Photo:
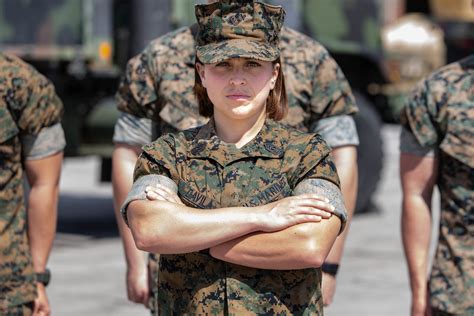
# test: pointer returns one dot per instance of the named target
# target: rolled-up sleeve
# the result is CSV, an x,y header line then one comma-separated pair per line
x,y
138,190
49,141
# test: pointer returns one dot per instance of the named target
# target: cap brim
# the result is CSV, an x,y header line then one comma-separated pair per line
x,y
216,52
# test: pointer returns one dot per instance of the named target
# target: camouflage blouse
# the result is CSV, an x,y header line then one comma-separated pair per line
x,y
28,103
440,114
212,174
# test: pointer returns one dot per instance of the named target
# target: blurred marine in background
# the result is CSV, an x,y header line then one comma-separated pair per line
x,y
31,144
156,96
437,148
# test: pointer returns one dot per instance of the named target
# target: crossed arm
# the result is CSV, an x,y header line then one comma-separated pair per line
x,y
286,234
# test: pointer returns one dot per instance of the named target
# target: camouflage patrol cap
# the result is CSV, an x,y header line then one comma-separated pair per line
x,y
232,28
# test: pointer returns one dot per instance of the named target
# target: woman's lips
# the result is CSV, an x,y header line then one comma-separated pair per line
x,y
238,96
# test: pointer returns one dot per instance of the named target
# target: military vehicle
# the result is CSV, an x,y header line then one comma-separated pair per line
x,y
83,45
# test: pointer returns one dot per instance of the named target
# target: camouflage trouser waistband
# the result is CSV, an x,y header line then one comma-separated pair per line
x,y
19,310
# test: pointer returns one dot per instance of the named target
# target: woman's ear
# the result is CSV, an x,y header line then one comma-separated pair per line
x,y
201,73
276,71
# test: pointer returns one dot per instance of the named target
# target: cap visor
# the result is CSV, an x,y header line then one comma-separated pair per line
x,y
216,52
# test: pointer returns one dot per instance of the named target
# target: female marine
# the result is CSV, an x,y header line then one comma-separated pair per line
x,y
240,217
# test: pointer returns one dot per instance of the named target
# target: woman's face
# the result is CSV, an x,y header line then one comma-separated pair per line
x,y
238,87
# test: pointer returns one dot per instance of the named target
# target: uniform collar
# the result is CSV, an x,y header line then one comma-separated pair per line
x,y
207,144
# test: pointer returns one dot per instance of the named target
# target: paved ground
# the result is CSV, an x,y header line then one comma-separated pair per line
x,y
88,266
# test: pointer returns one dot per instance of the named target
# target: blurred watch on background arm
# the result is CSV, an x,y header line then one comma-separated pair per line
x,y
330,268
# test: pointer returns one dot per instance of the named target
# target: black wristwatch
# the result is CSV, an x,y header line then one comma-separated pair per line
x,y
43,277
330,268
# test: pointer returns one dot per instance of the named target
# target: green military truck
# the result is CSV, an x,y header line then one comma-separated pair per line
x,y
83,46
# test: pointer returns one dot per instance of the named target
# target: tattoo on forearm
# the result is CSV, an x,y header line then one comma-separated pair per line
x,y
324,188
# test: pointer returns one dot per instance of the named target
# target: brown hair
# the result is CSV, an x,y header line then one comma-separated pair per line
x,y
277,102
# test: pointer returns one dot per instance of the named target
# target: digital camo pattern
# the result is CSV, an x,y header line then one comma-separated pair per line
x,y
441,114
28,103
232,28
158,83
213,174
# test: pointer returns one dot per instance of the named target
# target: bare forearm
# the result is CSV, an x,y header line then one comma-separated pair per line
x,y
123,162
42,217
416,232
43,177
418,175
164,227
298,247
345,159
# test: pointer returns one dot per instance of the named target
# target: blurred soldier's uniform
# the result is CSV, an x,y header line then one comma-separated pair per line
x,y
439,121
30,113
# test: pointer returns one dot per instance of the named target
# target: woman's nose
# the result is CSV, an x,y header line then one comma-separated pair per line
x,y
237,78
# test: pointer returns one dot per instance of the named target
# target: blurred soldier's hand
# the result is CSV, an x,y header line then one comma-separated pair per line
x,y
137,285
328,288
41,307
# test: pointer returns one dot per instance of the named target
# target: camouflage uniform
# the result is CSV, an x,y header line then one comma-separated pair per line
x,y
28,106
440,115
158,86
212,174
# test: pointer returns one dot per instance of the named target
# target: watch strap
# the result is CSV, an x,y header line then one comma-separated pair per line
x,y
43,277
330,268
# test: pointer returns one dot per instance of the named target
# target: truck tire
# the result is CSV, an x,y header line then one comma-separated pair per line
x,y
369,153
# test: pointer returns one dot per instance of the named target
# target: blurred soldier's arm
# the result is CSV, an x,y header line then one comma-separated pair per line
x,y
419,141
341,134
43,142
130,132
332,106
43,178
418,172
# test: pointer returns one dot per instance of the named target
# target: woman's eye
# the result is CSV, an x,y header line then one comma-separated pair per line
x,y
223,65
253,64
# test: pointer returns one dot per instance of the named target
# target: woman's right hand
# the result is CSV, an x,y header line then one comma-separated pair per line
x,y
295,210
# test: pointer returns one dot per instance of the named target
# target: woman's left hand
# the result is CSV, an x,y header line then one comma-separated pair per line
x,y
162,193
